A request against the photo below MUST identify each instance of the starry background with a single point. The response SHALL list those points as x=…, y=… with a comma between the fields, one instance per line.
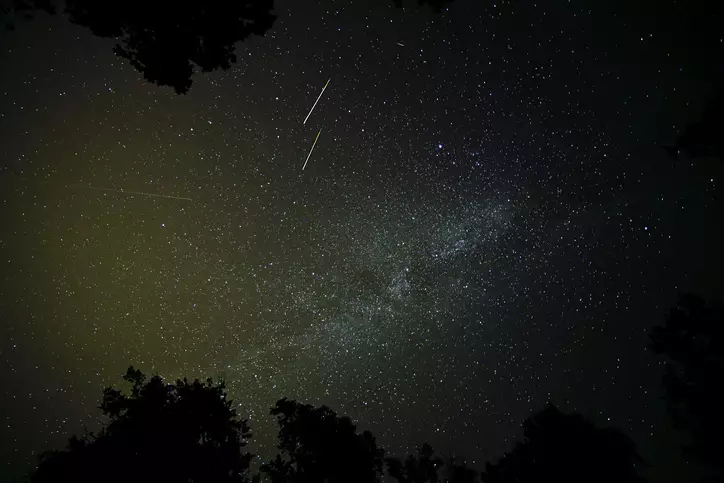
x=487, y=222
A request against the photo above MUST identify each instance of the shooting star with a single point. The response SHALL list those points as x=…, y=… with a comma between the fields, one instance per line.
x=100, y=188
x=315, y=102
x=128, y=192
x=400, y=44
x=310, y=151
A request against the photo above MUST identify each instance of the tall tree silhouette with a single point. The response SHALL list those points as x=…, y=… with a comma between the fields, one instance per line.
x=317, y=446
x=566, y=448
x=179, y=432
x=425, y=467
x=693, y=339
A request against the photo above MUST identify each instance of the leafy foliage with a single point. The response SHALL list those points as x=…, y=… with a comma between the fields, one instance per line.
x=167, y=41
x=164, y=40
x=566, y=448
x=179, y=432
x=693, y=339
x=188, y=432
x=318, y=446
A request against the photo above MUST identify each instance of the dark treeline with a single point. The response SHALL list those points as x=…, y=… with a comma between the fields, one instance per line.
x=189, y=432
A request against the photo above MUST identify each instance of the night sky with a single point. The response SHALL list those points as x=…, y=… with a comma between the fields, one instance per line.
x=487, y=223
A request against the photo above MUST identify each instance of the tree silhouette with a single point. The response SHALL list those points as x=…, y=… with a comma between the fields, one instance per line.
x=566, y=448
x=415, y=469
x=188, y=432
x=425, y=467
x=179, y=432
x=458, y=472
x=317, y=446
x=693, y=339
x=165, y=40
x=703, y=138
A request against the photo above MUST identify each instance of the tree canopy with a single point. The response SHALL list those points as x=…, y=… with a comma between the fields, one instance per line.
x=165, y=41
x=566, y=448
x=168, y=41
x=316, y=445
x=187, y=431
x=693, y=340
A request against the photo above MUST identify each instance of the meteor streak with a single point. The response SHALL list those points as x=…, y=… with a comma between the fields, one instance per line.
x=310, y=151
x=128, y=192
x=112, y=190
x=315, y=102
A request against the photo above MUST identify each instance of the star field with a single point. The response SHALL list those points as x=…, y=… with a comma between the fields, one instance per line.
x=486, y=224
